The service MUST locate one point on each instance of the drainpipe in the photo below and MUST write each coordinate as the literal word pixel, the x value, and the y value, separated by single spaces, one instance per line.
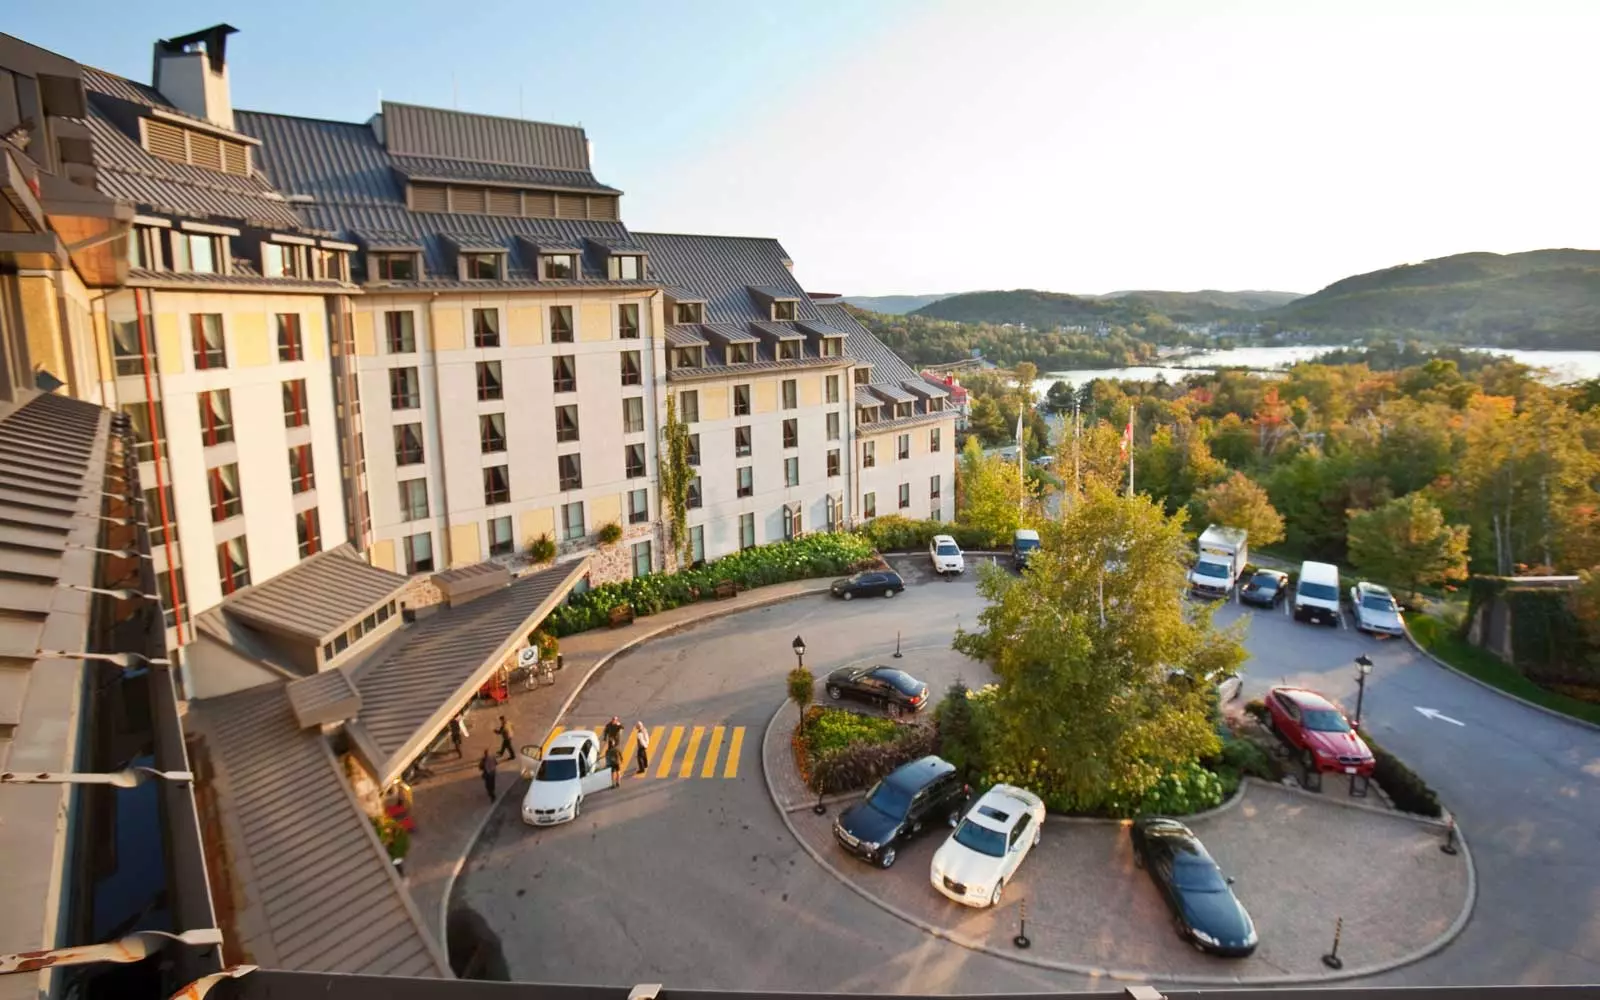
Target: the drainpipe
pixel 161 486
pixel 444 489
pixel 853 481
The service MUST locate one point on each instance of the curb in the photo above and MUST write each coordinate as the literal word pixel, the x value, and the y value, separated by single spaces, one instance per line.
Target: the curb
pixel 1123 975
pixel 1553 713
pixel 643 637
pixel 1345 803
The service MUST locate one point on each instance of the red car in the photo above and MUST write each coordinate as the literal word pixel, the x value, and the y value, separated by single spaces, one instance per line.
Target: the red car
pixel 1310 723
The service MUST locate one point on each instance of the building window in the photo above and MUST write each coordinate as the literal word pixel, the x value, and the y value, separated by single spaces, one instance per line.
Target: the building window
pixel 560 324
pixel 572 521
pixel 866 414
pixel 569 470
pixel 741 400
pixel 419 552
pixel 864 375
pixel 144 440
pixel 641 559
pixel 413 499
pixel 633 415
pixel 833 461
pixel 195 252
pixel 747 531
pixel 481 266
pixel 689 406
pixel 633 461
pixel 632 373
pixel 295 404
pixel 405 389
pixel 903 447
pixel 791 433
pixel 302 474
pixel 695 495
pixel 833 426
pixel 832 513
pixel 832 347
pixel 936 405
pixel 933 439
pixel 485 328
pixel 500 542
pixel 226 500
pixel 401 328
pixel 216 416
pixel 289 346
pixel 206 331
pixel 395 266
pixel 694 449
pixel 933 487
pixel 869 454
pixel 489 384
pixel 688 357
pixel 308 531
pixel 832 383
pixel 564 369
pixel 558 266
pixel 792 524
pixel 905 495
pixel 741 441
pixel 934 514
pixel 496 485
pixel 902 409
pixel 492 432
pixel 623 267
pixel 688 312
pixel 783 312
pixel 233 564
pixel 141 249
pixel 567 422
pixel 330 264
pixel 408 444
pixel 152 516
pixel 791 471
pixel 697 544
pixel 791 394
pixel 869 505
pixel 638 506
pixel 739 354
pixel 126 353
pixel 279 261
pixel 788 350
pixel 170 605
pixel 628 320
pixel 747 483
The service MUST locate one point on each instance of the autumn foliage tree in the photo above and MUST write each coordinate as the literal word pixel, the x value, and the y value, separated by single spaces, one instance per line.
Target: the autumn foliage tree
pixel 1407 543
pixel 1237 502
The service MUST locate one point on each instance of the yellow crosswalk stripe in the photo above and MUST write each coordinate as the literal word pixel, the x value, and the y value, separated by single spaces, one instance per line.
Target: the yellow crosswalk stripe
pixel 557 731
pixel 734 745
pixel 656 735
pixel 687 771
pixel 627 749
pixel 665 767
pixel 709 770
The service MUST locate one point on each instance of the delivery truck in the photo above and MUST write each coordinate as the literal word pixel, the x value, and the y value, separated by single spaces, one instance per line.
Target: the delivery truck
pixel 1223 553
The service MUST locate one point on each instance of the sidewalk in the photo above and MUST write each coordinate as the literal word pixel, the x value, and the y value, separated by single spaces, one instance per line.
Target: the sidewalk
pixel 450 807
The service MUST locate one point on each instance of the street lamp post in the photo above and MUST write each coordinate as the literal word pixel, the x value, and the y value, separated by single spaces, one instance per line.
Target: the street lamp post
pixel 1363 668
pixel 800 650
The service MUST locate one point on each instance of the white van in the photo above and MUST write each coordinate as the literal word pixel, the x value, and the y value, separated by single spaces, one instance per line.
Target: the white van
pixel 1316 595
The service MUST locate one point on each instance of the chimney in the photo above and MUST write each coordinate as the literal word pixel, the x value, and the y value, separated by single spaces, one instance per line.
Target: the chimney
pixel 191 71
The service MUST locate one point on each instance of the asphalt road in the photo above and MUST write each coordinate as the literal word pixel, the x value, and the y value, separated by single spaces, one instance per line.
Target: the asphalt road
pixel 691 879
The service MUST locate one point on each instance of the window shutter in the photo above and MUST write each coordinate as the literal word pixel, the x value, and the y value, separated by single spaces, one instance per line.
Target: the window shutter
pixel 165 141
pixel 235 158
pixel 504 202
pixel 467 200
pixel 428 198
pixel 602 207
pixel 538 204
pixel 205 151
pixel 570 206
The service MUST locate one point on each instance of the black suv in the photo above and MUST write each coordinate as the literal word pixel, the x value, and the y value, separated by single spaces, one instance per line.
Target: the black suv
pixel 911 798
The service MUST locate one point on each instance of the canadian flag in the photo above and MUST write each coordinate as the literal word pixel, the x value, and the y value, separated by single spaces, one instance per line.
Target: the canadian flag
pixel 1127 436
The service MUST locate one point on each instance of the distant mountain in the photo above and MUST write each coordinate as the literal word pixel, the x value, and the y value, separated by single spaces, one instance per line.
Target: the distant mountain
pixel 893 305
pixel 1542 298
pixel 1048 310
pixel 1247 301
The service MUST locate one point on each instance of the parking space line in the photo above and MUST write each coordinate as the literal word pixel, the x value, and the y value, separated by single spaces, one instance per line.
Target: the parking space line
pixel 665 767
pixel 734 746
pixel 709 769
pixel 687 771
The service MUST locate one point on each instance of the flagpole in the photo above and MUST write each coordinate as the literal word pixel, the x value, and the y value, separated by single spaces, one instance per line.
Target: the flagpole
pixel 1130 449
pixel 1022 456
pixel 1077 467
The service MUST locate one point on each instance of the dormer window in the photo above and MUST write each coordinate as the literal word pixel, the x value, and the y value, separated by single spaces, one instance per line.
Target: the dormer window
pixel 864 375
pixel 481 266
pixel 689 312
pixel 738 354
pixel 196 253
pixel 902 409
pixel 144 248
pixel 558 266
pixel 688 357
pixel 395 266
pixel 624 267
pixel 783 310
pixel 279 260
pixel 331 264
pixel 788 350
pixel 832 347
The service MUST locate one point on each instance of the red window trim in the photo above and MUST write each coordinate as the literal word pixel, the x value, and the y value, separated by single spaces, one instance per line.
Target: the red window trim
pixel 299 414
pixel 294 341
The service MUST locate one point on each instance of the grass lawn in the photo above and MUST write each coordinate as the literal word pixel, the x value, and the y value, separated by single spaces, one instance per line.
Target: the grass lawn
pixel 1437 639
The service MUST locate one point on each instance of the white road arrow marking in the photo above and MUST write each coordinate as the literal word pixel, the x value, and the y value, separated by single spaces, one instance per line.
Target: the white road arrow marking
pixel 1433 713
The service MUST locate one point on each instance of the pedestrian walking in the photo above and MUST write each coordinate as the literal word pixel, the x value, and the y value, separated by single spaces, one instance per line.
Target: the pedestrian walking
pixel 642 754
pixel 614 761
pixel 613 732
pixel 505 732
pixel 456 734
pixel 489 765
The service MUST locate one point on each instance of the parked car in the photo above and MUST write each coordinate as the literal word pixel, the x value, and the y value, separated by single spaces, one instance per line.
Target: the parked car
pixel 1376 610
pixel 901 805
pixel 988 846
pixel 1024 542
pixel 1312 724
pixel 1219 560
pixel 893 690
pixel 946 555
pixel 1205 911
pixel 1266 589
pixel 873 583
pixel 568 770
pixel 1316 593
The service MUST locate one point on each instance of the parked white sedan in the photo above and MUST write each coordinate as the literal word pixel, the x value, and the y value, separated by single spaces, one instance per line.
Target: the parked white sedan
pixel 988 847
pixel 567 772
pixel 1376 610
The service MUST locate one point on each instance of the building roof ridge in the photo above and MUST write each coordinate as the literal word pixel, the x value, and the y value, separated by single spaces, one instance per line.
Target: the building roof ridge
pixel 481 114
pixel 303 118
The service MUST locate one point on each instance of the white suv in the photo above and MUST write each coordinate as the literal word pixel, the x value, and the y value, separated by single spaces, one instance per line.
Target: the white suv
pixel 946 555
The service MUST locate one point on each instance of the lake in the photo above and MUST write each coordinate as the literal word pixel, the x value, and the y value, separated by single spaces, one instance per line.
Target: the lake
pixel 1564 366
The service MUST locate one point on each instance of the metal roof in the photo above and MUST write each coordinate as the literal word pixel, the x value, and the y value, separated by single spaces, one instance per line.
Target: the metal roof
pixel 887 367
pixel 142 278
pixel 386 239
pixel 686 335
pixel 313 888
pixel 413 684
pixel 892 393
pixel 926 387
pixel 731 333
pixel 319 598
pixel 864 397
pixel 898 423
pixel 714 372
pixel 722 270
pixel 777 330
pixel 324 697
pixel 460 135
pixel 772 293
pixel 435 168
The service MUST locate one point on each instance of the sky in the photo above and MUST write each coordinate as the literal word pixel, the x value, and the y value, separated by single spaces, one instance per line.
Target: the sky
pixel 935 146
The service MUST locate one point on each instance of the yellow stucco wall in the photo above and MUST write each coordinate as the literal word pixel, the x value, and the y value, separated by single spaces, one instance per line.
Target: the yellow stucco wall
pixel 383 555
pixel 449 331
pixel 764 398
pixel 464 545
pixel 536 523
pixel 811 390
pixel 252 347
pixel 169 342
pixel 314 334
pixel 104 367
pixel 603 511
pixel 41 321
pixel 713 402
pixel 594 321
pixel 524 326
pixel 366 339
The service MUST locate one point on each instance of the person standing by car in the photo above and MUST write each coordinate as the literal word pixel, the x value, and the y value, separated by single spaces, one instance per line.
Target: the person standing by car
pixel 455 734
pixel 642 754
pixel 505 732
pixel 488 766
pixel 614 761
pixel 613 732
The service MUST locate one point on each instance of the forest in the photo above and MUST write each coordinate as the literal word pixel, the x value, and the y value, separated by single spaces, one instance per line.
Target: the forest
pixel 924 341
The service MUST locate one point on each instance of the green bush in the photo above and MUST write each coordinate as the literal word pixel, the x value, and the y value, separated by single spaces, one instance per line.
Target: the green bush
pixel 1249 757
pixel 395 837
pixel 1257 709
pixel 610 534
pixel 542 549
pixel 1188 790
pixel 860 764
pixel 962 732
pixel 828 730
pixel 801 685
pixel 893 533
pixel 1405 787
pixel 812 556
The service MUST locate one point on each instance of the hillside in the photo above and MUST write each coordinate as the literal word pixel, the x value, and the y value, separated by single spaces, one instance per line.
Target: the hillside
pixel 1152 311
pixel 1177 302
pixel 893 305
pixel 1538 299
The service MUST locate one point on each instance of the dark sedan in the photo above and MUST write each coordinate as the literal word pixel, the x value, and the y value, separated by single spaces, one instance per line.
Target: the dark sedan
pixel 893 690
pixel 877 583
pixel 1266 589
pixel 1205 912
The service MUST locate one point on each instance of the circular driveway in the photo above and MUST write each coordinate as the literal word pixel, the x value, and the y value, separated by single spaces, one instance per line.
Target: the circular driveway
pixel 688 876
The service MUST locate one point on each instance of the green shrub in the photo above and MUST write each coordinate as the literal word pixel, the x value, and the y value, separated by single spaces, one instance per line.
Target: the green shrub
pixel 963 727
pixel 542 549
pixel 828 730
pixel 801 685
pixel 1249 757
pixel 860 764
pixel 893 533
pixel 610 534
pixel 395 837
pixel 1257 709
pixel 1405 787
pixel 1190 789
